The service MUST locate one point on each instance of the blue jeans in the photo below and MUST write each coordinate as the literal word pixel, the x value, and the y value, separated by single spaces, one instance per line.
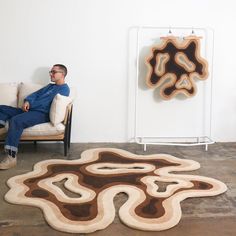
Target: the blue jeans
pixel 18 121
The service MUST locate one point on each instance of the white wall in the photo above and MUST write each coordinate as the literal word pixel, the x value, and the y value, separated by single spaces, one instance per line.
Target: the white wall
pixel 91 38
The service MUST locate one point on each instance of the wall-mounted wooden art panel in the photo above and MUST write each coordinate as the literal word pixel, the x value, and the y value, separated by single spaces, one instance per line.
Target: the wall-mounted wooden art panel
pixel 174 65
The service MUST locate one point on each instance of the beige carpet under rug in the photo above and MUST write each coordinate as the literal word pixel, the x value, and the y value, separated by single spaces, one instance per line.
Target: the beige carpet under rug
pixel 84 203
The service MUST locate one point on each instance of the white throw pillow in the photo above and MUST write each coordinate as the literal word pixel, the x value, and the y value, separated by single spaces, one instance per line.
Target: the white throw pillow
pixel 8 94
pixel 58 108
pixel 26 89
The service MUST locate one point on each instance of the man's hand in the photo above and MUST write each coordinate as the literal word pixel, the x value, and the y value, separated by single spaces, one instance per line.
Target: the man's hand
pixel 26 106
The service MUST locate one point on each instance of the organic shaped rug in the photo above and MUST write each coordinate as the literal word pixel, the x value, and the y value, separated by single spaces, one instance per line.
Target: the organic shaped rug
pixel 174 65
pixel 98 176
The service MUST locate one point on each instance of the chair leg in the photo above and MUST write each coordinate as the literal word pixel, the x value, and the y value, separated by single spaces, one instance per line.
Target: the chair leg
pixel 65 148
pixel 69 133
pixel 69 142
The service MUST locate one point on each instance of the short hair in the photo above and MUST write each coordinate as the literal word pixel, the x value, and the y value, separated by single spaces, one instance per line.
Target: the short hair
pixel 62 67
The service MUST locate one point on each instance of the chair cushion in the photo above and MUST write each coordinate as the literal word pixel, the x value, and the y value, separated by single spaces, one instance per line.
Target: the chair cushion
pixel 8 95
pixel 26 89
pixel 58 108
pixel 44 129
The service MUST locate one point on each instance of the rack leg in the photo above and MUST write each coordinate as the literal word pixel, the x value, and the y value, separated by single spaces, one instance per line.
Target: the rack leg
pixel 145 147
pixel 206 147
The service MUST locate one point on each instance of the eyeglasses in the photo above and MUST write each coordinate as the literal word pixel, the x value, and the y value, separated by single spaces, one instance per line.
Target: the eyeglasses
pixel 55 71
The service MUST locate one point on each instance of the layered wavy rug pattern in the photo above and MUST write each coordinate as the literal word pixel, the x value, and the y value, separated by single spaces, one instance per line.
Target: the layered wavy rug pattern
pixel 85 202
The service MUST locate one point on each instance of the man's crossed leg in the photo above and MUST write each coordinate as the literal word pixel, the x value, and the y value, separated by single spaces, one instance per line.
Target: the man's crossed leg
pixel 18 121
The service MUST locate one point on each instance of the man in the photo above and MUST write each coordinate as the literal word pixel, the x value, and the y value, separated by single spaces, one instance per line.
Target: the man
pixel 35 110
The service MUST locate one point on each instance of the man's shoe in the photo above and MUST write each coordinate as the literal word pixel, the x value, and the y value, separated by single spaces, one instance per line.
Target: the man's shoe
pixel 8 162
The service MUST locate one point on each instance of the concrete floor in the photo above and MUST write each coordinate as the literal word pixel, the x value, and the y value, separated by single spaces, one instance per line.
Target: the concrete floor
pixel 208 216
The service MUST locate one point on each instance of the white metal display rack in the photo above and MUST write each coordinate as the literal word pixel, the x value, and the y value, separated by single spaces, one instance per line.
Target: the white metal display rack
pixel 145 139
